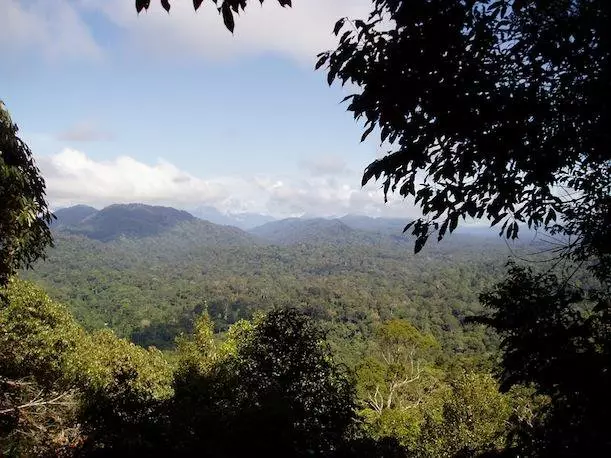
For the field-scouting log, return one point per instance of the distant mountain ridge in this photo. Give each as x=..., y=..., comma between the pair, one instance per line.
x=243, y=220
x=149, y=226
x=314, y=231
x=138, y=221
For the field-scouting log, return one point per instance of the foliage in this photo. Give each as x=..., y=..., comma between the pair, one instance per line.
x=123, y=389
x=151, y=289
x=279, y=392
x=556, y=337
x=471, y=421
x=269, y=386
x=38, y=403
x=489, y=108
x=226, y=9
x=24, y=213
x=430, y=410
x=396, y=379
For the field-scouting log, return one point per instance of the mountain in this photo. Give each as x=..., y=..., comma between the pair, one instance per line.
x=315, y=231
x=243, y=220
x=71, y=216
x=157, y=231
x=389, y=226
x=130, y=220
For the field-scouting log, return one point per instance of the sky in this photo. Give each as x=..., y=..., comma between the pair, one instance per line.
x=172, y=109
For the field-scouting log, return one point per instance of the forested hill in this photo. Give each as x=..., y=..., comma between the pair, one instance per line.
x=314, y=231
x=114, y=221
x=72, y=216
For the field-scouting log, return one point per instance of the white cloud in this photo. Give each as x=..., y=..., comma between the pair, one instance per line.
x=52, y=28
x=299, y=32
x=72, y=177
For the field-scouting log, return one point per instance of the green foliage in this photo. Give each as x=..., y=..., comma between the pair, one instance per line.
x=482, y=130
x=557, y=338
x=63, y=389
x=37, y=335
x=123, y=388
x=151, y=289
x=24, y=213
x=275, y=387
x=265, y=387
x=38, y=372
x=471, y=421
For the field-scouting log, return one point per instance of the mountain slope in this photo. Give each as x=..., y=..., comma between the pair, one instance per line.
x=389, y=226
x=72, y=216
x=130, y=220
x=317, y=231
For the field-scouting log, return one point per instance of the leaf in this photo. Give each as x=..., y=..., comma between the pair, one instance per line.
x=420, y=241
x=338, y=26
x=321, y=61
x=443, y=229
x=197, y=4
x=142, y=5
x=551, y=216
x=368, y=131
x=409, y=225
x=453, y=222
x=227, y=16
x=331, y=75
x=166, y=5
x=498, y=218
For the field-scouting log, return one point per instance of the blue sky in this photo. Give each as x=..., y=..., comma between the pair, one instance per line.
x=173, y=109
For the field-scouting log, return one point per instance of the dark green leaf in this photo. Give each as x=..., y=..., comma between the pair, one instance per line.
x=142, y=4
x=338, y=26
x=420, y=242
x=227, y=16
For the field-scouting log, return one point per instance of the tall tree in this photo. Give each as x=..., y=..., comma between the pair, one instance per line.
x=24, y=212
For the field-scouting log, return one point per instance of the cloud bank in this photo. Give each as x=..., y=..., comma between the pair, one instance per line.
x=72, y=177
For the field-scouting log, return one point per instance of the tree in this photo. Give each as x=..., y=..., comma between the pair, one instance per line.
x=472, y=419
x=272, y=384
x=396, y=381
x=397, y=376
x=557, y=338
x=38, y=372
x=24, y=212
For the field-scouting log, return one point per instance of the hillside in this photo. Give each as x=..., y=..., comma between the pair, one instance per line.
x=316, y=231
x=130, y=220
x=72, y=216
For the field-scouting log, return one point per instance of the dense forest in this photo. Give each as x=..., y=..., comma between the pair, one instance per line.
x=150, y=288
